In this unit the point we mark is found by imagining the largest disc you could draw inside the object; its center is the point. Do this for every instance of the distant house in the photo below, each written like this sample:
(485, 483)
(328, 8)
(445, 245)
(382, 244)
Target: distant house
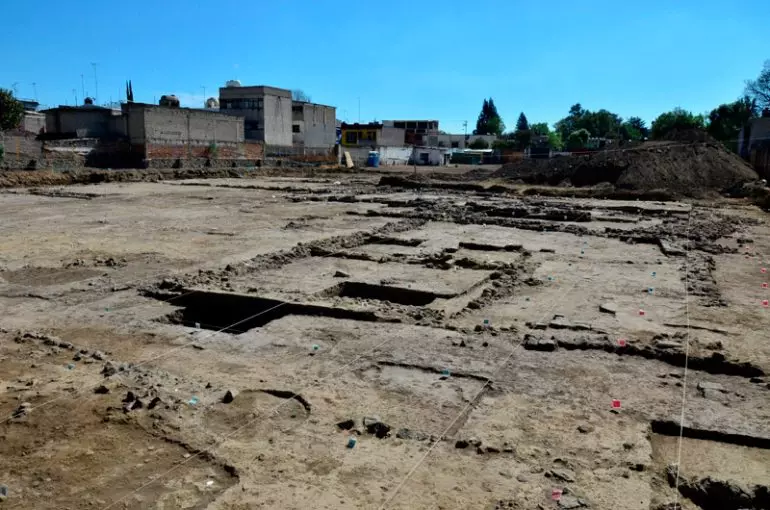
(372, 134)
(754, 144)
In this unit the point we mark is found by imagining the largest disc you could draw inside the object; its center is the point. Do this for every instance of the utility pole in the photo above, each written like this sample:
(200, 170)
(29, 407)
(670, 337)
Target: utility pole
(75, 93)
(34, 89)
(96, 83)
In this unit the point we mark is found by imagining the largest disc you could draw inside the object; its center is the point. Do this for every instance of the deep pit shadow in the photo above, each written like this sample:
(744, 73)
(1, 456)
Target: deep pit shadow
(237, 313)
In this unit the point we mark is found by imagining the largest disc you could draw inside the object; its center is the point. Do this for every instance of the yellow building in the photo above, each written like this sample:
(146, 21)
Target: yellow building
(357, 135)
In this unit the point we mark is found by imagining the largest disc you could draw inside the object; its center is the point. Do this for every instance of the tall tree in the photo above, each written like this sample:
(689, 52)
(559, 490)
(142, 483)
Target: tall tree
(725, 122)
(759, 89)
(11, 110)
(539, 129)
(678, 118)
(489, 121)
(638, 124)
(522, 124)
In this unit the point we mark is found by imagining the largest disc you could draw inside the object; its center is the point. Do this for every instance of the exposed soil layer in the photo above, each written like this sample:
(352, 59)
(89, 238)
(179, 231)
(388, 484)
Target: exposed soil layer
(347, 342)
(684, 169)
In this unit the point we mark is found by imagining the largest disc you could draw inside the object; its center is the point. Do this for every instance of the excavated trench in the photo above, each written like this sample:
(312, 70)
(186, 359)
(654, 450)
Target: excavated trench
(237, 313)
(398, 295)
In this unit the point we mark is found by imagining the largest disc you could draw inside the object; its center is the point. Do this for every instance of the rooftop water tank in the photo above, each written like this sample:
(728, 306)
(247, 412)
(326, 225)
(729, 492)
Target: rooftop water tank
(233, 83)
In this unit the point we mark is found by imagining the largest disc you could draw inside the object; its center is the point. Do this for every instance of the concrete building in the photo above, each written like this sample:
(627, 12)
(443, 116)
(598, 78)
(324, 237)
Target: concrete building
(415, 131)
(266, 111)
(313, 125)
(460, 142)
(160, 132)
(433, 156)
(373, 134)
(86, 121)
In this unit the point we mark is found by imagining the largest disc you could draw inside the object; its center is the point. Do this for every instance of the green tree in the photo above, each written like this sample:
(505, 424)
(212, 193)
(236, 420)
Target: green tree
(539, 129)
(11, 111)
(489, 121)
(555, 141)
(578, 139)
(521, 123)
(630, 132)
(678, 118)
(759, 89)
(725, 122)
(478, 144)
(638, 124)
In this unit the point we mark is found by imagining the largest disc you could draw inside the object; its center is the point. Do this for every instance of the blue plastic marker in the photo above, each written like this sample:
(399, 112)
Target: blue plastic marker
(445, 372)
(316, 347)
(654, 274)
(352, 442)
(650, 290)
(193, 401)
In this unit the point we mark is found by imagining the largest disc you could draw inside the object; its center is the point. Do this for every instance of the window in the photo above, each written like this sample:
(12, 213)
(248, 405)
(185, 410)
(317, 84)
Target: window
(296, 109)
(371, 135)
(455, 145)
(351, 137)
(295, 128)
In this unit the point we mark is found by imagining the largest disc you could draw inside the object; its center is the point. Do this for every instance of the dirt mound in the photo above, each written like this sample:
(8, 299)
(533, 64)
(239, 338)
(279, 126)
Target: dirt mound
(691, 135)
(682, 168)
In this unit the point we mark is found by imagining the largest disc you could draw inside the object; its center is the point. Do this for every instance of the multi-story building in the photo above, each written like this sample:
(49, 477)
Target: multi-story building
(313, 125)
(373, 134)
(415, 131)
(267, 111)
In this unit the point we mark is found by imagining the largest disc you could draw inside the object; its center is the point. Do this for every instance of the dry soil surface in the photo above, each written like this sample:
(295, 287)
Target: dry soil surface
(294, 343)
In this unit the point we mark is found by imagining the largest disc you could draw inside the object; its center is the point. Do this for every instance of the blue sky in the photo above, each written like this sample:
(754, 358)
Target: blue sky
(402, 59)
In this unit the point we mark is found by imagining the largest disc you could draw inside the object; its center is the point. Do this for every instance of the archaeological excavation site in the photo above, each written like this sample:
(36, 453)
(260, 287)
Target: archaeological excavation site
(382, 339)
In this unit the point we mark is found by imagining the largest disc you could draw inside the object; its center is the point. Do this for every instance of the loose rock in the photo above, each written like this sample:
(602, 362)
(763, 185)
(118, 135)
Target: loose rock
(229, 396)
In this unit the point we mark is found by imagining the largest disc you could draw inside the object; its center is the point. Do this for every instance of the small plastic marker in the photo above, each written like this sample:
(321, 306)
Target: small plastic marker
(316, 347)
(550, 278)
(765, 303)
(446, 372)
(615, 404)
(654, 274)
(556, 494)
(352, 442)
(209, 483)
(70, 366)
(193, 401)
(621, 342)
(763, 270)
(198, 325)
(764, 285)
(486, 322)
(642, 313)
(650, 290)
(3, 491)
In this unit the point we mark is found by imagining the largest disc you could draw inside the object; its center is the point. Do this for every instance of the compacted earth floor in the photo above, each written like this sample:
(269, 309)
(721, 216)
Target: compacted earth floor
(331, 343)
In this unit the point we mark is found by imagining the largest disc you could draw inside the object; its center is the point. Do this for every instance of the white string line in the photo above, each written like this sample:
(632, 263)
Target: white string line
(686, 360)
(166, 353)
(470, 404)
(227, 436)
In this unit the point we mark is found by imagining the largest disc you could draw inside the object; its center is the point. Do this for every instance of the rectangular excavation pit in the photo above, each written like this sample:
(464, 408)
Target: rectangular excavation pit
(238, 313)
(399, 295)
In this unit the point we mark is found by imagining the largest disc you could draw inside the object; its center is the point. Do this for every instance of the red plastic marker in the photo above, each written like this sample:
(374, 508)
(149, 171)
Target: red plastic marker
(641, 312)
(615, 404)
(763, 270)
(556, 494)
(765, 302)
(764, 285)
(622, 342)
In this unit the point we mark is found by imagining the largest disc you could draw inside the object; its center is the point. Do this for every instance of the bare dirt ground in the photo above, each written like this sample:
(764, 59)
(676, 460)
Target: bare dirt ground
(330, 343)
